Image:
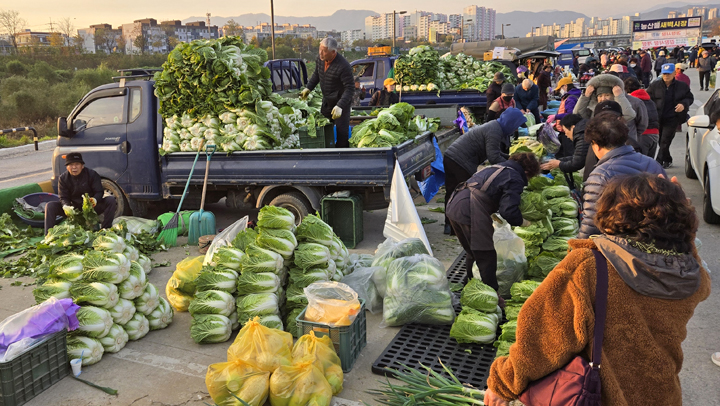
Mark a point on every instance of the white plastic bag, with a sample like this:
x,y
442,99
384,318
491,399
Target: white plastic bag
x,y
403,220
136,225
361,281
225,238
512,263
331,303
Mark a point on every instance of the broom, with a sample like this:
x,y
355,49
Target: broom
x,y
169,233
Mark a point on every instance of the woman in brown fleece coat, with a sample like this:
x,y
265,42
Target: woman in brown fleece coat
x,y
655,283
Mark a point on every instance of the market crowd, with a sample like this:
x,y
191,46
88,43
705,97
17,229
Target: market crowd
x,y
616,123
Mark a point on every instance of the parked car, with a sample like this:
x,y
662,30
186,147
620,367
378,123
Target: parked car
x,y
702,157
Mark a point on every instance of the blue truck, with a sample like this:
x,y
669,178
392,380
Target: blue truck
x,y
118,130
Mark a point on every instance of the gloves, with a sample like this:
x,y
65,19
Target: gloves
x,y
336,112
93,201
304,94
526,223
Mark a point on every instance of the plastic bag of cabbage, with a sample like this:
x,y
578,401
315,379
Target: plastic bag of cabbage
x,y
389,251
417,291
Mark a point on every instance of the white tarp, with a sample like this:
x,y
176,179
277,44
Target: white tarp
x,y
403,220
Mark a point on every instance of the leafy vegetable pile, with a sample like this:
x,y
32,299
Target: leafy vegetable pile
x,y
478,321
117,302
392,126
263,363
525,144
12,238
418,68
520,291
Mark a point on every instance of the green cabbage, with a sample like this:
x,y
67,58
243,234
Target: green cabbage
x,y
308,255
479,296
109,241
256,304
210,328
123,311
228,257
58,289
101,294
90,350
148,301
541,265
555,191
276,217
557,244
244,238
217,279
302,278
261,260
521,291
68,267
115,340
508,331
263,282
565,227
533,206
472,326
94,321
101,266
271,321
137,327
212,302
313,229
278,240
162,316
135,284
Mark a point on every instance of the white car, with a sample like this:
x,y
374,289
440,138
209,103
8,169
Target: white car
x,y
702,157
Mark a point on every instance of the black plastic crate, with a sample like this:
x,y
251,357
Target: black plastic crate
x,y
417,344
345,216
457,273
40,367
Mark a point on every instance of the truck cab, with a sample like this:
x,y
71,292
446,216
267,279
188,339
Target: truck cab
x,y
372,71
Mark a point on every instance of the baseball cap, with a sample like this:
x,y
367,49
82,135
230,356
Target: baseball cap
x,y
608,105
389,82
508,88
73,157
564,81
668,68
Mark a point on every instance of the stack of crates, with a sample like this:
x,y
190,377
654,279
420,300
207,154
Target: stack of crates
x,y
345,216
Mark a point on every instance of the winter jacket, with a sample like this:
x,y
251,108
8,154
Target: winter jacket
x,y
641,352
527,99
659,62
493,92
72,188
586,105
646,63
693,55
384,98
617,162
544,81
638,125
569,99
652,114
682,95
490,141
706,64
683,78
570,164
337,84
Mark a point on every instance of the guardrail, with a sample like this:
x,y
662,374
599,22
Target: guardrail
x,y
21,129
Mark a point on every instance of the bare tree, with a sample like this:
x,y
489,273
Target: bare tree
x,y
11,23
121,43
232,28
67,29
105,39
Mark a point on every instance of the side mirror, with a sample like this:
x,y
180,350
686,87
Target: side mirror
x,y
62,127
702,121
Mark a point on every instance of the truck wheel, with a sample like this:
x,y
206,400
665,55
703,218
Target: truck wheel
x,y
111,189
295,202
709,214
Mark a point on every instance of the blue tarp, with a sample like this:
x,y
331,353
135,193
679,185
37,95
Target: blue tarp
x,y
430,186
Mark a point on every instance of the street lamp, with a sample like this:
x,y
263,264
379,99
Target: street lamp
x,y
272,27
532,31
502,28
394,24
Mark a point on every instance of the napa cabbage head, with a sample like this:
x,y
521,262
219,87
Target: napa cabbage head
x,y
259,259
212,302
135,284
276,217
479,296
308,255
123,311
109,241
281,241
56,288
217,279
472,326
94,322
67,267
115,340
521,291
262,282
137,327
101,266
148,301
162,316
101,294
257,304
90,350
313,229
227,257
244,238
210,328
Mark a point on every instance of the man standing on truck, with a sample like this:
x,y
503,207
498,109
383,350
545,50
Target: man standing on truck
x,y
334,75
73,185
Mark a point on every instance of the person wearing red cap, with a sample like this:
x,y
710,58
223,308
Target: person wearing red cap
x,y
73,185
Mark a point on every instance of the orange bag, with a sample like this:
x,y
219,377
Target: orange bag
x,y
299,385
227,380
267,348
321,352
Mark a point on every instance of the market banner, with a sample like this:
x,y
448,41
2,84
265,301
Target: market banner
x,y
668,32
667,24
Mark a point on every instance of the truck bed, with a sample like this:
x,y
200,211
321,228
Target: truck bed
x,y
467,98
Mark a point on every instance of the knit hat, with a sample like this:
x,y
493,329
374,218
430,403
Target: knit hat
x,y
603,90
564,81
508,88
499,76
73,157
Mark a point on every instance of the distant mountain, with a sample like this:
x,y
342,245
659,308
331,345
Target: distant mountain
x,y
341,20
521,22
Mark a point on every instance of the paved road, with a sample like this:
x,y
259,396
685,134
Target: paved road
x,y
32,167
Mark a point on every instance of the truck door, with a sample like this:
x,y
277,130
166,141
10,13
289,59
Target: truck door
x,y
100,133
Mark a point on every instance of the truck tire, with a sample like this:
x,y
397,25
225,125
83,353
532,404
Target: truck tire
x,y
295,202
111,189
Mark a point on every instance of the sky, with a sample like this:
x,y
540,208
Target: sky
x,y
38,13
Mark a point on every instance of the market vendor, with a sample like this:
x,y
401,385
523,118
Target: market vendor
x,y
490,141
73,185
502,103
334,75
573,126
495,189
387,96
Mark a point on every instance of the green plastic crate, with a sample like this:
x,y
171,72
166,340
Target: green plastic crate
x,y
40,367
325,137
345,216
348,341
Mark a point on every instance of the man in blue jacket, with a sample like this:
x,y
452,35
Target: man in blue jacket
x,y
607,136
526,96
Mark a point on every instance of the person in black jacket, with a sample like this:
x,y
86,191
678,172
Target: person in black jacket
x,y
574,127
334,75
648,140
73,185
672,99
387,96
490,141
495,189
495,89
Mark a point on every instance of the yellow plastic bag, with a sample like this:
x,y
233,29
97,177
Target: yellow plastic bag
x,y
267,348
331,303
178,300
186,272
225,380
299,385
321,352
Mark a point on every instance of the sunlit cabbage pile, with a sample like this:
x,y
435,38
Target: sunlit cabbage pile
x,y
392,126
218,92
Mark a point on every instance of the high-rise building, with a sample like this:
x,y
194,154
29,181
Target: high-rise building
x,y
483,20
712,13
381,27
455,20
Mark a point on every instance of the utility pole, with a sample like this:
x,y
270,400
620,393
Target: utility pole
x,y
502,27
272,27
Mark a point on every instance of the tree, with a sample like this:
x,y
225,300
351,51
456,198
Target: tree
x,y
56,40
141,41
11,23
67,28
232,29
104,39
121,43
